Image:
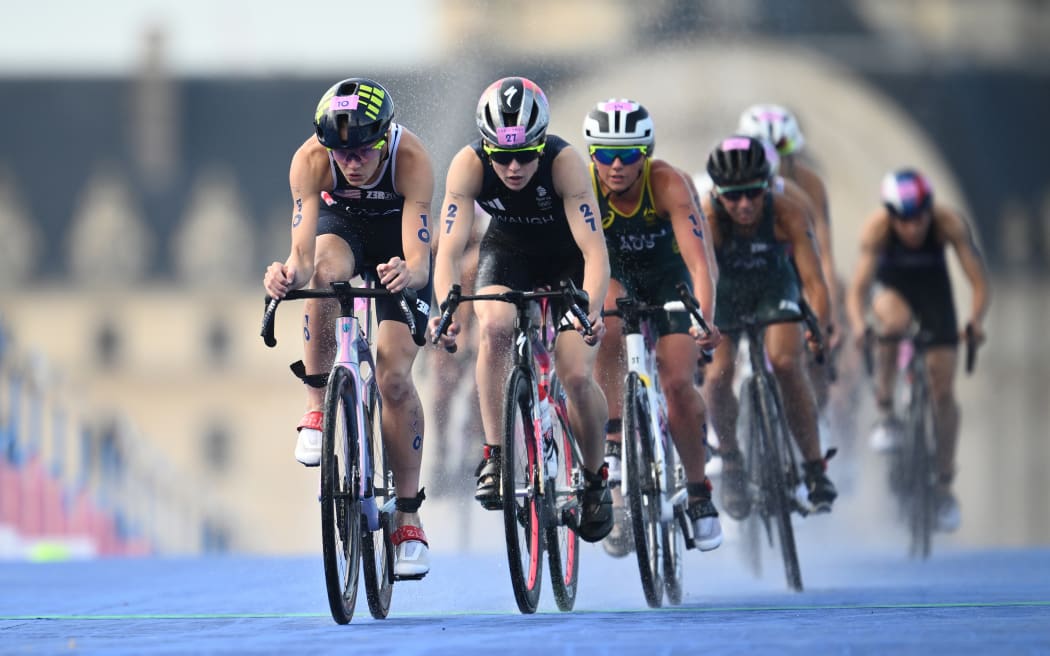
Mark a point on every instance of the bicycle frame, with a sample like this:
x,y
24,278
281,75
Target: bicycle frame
x,y
641,360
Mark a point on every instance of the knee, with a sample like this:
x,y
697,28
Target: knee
x,y
785,364
328,270
679,389
395,386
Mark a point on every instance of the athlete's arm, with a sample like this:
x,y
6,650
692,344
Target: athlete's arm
x,y
817,193
797,227
961,238
674,199
415,181
573,184
310,173
462,186
872,241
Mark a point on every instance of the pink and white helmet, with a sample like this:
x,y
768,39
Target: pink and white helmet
x,y
775,124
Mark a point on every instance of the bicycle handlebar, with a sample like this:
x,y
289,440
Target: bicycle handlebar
x,y
578,299
921,339
343,291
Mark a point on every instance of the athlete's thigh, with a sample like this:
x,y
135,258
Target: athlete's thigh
x,y
395,350
784,344
891,310
677,356
333,259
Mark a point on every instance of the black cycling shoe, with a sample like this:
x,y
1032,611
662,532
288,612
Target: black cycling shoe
x,y
822,492
596,520
736,500
488,472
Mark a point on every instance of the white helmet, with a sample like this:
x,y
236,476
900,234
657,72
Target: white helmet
x,y
617,122
774,123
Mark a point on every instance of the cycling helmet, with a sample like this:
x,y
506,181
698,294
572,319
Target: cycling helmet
x,y
775,123
906,193
616,122
362,105
772,156
738,159
513,113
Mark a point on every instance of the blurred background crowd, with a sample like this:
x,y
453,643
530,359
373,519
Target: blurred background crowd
x,y
144,152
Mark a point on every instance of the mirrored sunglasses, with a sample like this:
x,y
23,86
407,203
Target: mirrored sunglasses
x,y
626,154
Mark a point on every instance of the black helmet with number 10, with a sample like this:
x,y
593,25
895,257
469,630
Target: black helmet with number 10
x,y
357,107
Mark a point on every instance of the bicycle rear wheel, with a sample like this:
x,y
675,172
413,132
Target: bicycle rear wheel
x,y
563,543
778,491
920,480
672,535
377,551
644,496
521,502
340,506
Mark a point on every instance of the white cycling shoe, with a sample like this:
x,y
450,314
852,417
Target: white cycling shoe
x,y
707,529
308,446
411,552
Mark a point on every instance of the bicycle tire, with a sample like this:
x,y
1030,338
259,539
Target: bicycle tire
x,y
756,524
920,477
644,497
377,550
778,490
563,543
672,532
522,510
340,508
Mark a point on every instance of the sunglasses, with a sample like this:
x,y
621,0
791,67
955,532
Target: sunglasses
x,y
504,156
733,194
360,154
626,154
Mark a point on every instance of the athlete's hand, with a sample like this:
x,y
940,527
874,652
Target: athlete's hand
x,y
394,275
706,341
279,280
597,328
448,340
978,332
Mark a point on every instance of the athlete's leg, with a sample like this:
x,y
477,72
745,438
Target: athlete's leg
x,y
495,323
334,261
892,316
402,411
676,361
588,411
718,381
941,363
784,346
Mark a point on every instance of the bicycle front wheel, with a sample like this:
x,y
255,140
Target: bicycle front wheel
x,y
919,475
564,493
521,500
340,505
778,492
672,532
377,550
644,495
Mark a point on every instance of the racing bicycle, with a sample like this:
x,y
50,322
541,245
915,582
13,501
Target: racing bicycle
x,y
541,466
357,488
655,482
773,473
912,464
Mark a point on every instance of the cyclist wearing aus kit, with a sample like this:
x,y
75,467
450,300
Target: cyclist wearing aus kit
x,y
361,191
752,228
655,236
903,249
544,227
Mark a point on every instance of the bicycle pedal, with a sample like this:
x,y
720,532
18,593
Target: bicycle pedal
x,y
570,516
409,577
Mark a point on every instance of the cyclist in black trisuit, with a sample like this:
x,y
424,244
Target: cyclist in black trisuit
x,y
753,227
545,228
361,193
903,248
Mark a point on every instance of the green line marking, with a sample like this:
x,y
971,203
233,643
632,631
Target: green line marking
x,y
672,609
